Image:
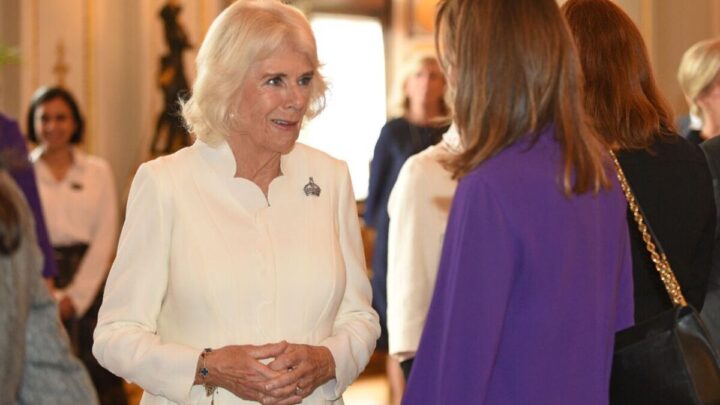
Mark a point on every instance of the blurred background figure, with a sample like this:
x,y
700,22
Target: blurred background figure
x,y
711,310
36,362
535,274
667,173
418,207
423,115
13,150
80,204
699,77
700,82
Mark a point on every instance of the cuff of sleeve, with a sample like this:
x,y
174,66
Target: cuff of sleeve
x,y
168,370
181,390
330,391
402,356
344,369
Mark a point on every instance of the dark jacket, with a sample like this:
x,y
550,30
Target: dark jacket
x,y
711,310
673,186
398,141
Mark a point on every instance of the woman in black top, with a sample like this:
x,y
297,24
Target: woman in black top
x,y
668,175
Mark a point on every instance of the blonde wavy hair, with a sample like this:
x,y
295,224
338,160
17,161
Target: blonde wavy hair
x,y
698,69
244,33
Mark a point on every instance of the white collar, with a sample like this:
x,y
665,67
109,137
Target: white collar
x,y
79,158
452,139
222,159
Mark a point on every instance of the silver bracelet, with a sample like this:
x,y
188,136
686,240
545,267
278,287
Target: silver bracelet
x,y
209,389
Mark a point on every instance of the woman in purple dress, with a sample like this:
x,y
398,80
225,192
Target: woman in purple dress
x,y
535,276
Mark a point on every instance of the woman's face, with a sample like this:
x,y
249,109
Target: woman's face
x,y
426,85
709,102
54,124
274,98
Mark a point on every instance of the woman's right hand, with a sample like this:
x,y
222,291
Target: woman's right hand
x,y
238,369
66,308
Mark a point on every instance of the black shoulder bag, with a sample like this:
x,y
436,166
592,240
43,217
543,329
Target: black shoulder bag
x,y
668,359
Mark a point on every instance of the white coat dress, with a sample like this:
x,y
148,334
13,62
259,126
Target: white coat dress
x,y
205,260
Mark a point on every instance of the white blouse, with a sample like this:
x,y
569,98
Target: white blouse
x,y
81,208
418,207
205,260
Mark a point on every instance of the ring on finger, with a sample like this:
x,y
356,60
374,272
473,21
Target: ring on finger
x,y
298,390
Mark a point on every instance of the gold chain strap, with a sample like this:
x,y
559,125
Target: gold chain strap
x,y
661,262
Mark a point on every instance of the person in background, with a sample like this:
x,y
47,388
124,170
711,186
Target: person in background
x,y
14,152
36,362
698,76
711,308
699,80
240,275
535,274
418,207
423,115
37,365
79,202
667,174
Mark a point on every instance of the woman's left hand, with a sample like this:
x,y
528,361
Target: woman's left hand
x,y
308,367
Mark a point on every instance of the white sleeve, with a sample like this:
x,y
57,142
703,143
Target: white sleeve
x,y
126,342
356,326
414,246
96,261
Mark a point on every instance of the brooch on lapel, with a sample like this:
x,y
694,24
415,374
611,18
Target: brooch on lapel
x,y
311,188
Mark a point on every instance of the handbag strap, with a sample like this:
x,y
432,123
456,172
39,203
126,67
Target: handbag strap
x,y
651,241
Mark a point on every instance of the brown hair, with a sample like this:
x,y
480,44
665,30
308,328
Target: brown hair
x,y
620,91
513,71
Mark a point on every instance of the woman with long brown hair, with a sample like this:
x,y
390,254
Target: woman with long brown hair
x,y
535,274
668,175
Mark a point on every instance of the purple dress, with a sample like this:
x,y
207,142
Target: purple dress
x,y
532,287
13,145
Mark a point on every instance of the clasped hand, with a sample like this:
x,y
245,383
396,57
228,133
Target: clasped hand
x,y
293,374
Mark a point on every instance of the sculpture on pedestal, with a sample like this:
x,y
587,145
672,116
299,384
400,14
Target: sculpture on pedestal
x,y
170,134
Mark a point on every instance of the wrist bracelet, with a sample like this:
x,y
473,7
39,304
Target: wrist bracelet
x,y
209,389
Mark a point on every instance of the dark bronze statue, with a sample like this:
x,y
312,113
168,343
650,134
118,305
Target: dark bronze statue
x,y
170,134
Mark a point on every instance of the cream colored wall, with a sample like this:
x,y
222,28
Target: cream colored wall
x,y
10,74
401,44
676,26
669,28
